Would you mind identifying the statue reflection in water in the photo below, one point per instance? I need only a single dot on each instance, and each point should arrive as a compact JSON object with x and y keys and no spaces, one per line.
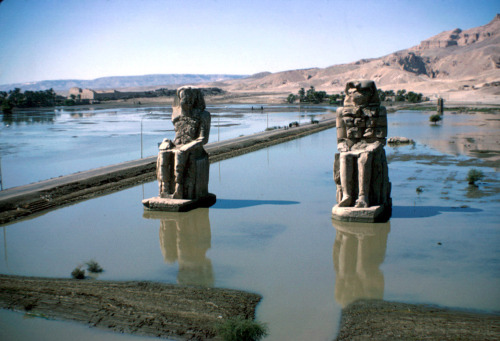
{"x":186,"y":237}
{"x":358,"y":251}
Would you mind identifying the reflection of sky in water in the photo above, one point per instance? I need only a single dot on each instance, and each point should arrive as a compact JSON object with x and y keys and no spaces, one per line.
{"x":270,"y":232}
{"x":38,"y":145}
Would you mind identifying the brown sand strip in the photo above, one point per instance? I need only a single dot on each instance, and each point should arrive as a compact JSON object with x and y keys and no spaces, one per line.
{"x":144,"y":308}
{"x":38,"y":198}
{"x":381,"y":320}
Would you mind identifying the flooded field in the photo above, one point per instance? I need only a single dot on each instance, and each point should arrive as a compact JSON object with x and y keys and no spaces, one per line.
{"x":271,"y":232}
{"x":43,"y":144}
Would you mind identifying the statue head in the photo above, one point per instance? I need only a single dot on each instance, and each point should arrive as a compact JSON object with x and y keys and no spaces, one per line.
{"x":188,"y":101}
{"x":361,"y":93}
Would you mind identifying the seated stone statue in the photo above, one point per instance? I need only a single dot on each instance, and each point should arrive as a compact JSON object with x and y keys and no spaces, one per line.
{"x":360,"y":170}
{"x":182,"y":164}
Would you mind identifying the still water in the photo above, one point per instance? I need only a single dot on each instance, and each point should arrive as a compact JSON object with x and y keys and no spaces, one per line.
{"x":64,"y":141}
{"x":270,"y":232}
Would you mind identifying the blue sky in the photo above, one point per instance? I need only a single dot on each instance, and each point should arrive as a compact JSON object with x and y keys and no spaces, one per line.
{"x":74,"y":39}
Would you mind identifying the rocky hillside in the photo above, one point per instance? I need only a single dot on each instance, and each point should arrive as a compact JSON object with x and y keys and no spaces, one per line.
{"x":120,"y":82}
{"x":452,"y":60}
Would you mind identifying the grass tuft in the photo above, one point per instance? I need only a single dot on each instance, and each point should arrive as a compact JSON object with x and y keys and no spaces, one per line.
{"x":94,"y":267}
{"x":78,"y":273}
{"x":474,"y":175}
{"x":240,"y":329}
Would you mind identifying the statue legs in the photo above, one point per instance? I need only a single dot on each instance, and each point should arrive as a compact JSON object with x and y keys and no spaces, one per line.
{"x":364,"y":175}
{"x":346,"y":170}
{"x":364,"y":160}
{"x":180,"y":165}
{"x":170,"y":173}
{"x":164,"y":169}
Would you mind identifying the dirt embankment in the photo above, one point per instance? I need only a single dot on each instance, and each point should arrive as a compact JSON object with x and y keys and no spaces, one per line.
{"x":380,"y":321}
{"x":145,"y":308}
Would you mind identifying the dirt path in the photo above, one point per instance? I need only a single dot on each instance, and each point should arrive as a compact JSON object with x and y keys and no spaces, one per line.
{"x":145,"y":308}
{"x":380,"y":320}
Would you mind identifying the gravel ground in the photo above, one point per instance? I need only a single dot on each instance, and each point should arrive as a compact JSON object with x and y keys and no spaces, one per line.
{"x":381,"y":320}
{"x":145,"y":308}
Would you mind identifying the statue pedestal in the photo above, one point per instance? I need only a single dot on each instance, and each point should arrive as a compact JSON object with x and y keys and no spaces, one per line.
{"x":373,"y":214}
{"x":178,"y":205}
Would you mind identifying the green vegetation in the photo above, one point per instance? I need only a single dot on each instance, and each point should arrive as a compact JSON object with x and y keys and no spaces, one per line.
{"x":337,"y":99}
{"x":94,"y":267}
{"x":316,"y":97}
{"x":240,"y":329}
{"x":435,"y":118}
{"x":78,"y":273}
{"x":28,"y":99}
{"x":6,"y":106}
{"x":474,"y":175}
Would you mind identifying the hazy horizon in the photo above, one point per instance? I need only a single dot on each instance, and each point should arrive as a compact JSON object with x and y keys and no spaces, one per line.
{"x":61,"y":40}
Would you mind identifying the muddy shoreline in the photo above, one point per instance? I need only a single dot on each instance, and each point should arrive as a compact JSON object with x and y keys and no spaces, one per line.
{"x":382,"y":320}
{"x":143,"y":308}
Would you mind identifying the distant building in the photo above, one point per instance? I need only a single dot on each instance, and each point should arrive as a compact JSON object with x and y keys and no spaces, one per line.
{"x":92,"y":96}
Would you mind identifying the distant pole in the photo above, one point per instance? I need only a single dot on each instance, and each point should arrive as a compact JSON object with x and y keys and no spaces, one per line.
{"x":218,"y":127}
{"x":267,"y":118}
{"x":5,"y":246}
{"x":141,"y":136}
{"x":1,"y":181}
{"x":440,"y":106}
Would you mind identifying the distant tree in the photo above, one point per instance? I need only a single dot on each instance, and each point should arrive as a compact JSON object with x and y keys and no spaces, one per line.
{"x":310,"y":97}
{"x":291,"y":98}
{"x":333,"y":99}
{"x":413,"y":97}
{"x":6,"y":106}
{"x":16,"y":97}
{"x":400,"y":95}
{"x":320,"y":96}
{"x":435,"y":118}
{"x":381,"y":95}
{"x":474,"y":175}
{"x":302,"y":94}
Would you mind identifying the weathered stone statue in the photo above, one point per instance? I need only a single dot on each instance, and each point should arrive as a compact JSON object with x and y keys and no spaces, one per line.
{"x":360,"y":169}
{"x":182,"y":166}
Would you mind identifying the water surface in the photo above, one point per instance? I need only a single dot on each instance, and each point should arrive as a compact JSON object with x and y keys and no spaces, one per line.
{"x":271,"y":232}
{"x":37,"y":145}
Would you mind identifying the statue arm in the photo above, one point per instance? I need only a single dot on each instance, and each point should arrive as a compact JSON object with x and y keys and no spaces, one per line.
{"x":342,"y":146}
{"x":373,"y":146}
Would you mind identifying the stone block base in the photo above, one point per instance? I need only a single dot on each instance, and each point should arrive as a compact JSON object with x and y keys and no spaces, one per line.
{"x":178,"y":205}
{"x":374,"y":214}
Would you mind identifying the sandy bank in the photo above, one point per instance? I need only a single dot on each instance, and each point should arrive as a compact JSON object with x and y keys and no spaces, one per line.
{"x":381,"y":320}
{"x":145,"y":308}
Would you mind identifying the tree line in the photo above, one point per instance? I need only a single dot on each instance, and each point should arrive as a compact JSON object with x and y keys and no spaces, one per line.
{"x":27,"y":99}
{"x":316,"y":97}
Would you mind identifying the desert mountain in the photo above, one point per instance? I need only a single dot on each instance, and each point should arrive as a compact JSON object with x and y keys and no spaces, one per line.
{"x":451,"y":60}
{"x":120,"y":82}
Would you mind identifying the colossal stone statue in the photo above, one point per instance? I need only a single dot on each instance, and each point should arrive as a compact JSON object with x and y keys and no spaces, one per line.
{"x":182,"y":166}
{"x":360,"y":169}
